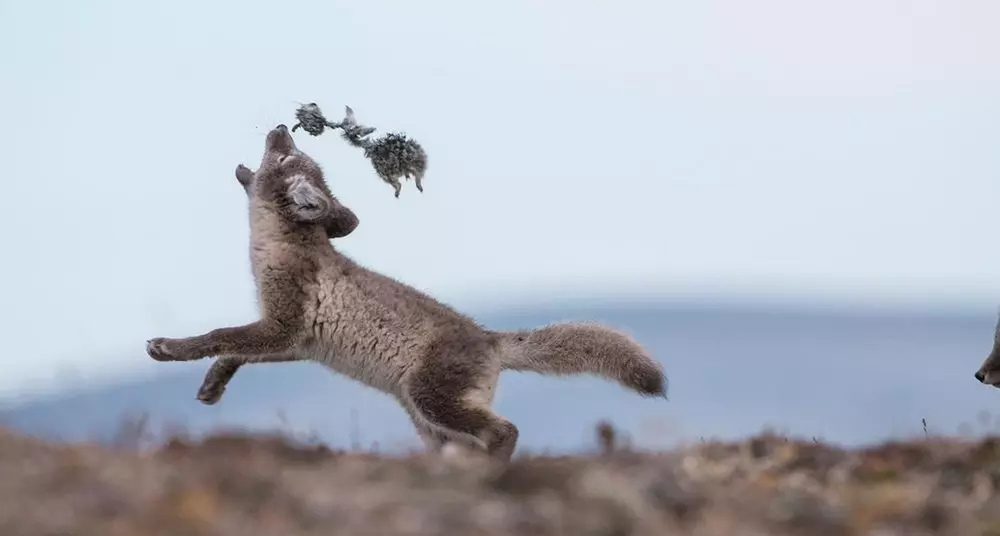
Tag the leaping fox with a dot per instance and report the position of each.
(317, 304)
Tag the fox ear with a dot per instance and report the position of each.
(308, 202)
(244, 175)
(341, 221)
(348, 115)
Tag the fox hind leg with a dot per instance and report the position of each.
(449, 401)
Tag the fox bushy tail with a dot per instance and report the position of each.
(584, 348)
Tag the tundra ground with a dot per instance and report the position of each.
(249, 485)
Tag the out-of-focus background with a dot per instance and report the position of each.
(792, 205)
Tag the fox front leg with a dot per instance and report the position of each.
(259, 338)
(223, 370)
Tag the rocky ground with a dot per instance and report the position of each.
(262, 485)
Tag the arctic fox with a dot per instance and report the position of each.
(317, 304)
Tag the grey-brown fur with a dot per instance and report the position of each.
(340, 222)
(989, 372)
(317, 304)
(393, 156)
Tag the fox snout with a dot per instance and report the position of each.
(279, 140)
(989, 373)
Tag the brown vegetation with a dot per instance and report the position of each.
(247, 485)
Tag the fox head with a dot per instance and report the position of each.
(288, 180)
(989, 372)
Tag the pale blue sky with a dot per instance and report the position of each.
(842, 150)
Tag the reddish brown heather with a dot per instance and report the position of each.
(232, 485)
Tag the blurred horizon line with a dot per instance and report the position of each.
(70, 378)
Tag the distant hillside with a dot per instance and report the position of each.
(847, 378)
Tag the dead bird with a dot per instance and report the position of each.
(310, 119)
(393, 156)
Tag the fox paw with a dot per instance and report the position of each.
(210, 393)
(162, 349)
